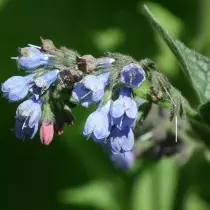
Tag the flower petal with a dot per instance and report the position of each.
(121, 140)
(123, 160)
(104, 78)
(132, 75)
(97, 95)
(19, 127)
(18, 94)
(97, 126)
(12, 83)
(35, 116)
(31, 132)
(123, 122)
(92, 83)
(117, 109)
(79, 91)
(132, 109)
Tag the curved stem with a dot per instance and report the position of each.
(145, 93)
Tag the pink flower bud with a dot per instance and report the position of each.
(46, 133)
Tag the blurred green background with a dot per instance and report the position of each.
(73, 173)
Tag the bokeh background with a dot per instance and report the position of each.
(73, 173)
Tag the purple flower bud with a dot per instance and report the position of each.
(16, 88)
(42, 83)
(89, 91)
(132, 75)
(98, 124)
(123, 160)
(31, 58)
(121, 140)
(124, 109)
(104, 63)
(28, 115)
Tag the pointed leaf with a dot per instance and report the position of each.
(195, 66)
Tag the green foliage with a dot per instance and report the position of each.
(195, 66)
(74, 173)
(205, 112)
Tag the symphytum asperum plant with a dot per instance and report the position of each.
(59, 79)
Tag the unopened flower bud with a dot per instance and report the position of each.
(46, 133)
(68, 78)
(104, 63)
(86, 63)
(49, 47)
(32, 58)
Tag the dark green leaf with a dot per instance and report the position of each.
(205, 112)
(195, 66)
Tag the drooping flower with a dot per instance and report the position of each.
(132, 75)
(22, 131)
(28, 115)
(89, 91)
(16, 88)
(46, 133)
(121, 140)
(98, 124)
(31, 58)
(124, 109)
(104, 63)
(123, 160)
(42, 83)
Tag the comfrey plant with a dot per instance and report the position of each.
(122, 88)
(57, 80)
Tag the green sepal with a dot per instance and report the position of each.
(47, 114)
(67, 58)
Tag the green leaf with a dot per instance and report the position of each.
(175, 27)
(154, 187)
(98, 194)
(204, 111)
(195, 66)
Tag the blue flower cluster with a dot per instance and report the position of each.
(59, 79)
(16, 88)
(112, 123)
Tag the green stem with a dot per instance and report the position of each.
(144, 93)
